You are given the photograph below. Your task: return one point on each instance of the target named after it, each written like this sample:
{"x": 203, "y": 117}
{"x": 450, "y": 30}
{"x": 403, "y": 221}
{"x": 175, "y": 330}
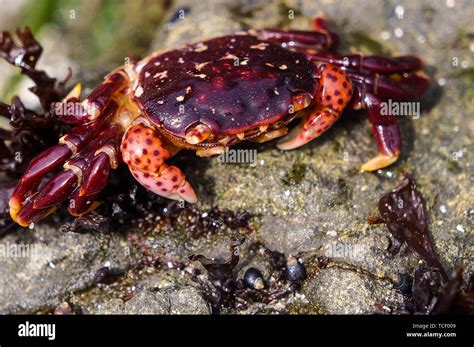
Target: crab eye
{"x": 198, "y": 134}
{"x": 301, "y": 101}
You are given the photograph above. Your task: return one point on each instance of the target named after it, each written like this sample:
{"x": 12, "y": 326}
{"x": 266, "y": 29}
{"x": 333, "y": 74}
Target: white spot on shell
{"x": 199, "y": 67}
{"x": 261, "y": 46}
{"x": 283, "y": 67}
{"x": 147, "y": 74}
{"x": 138, "y": 91}
{"x": 161, "y": 75}
{"x": 180, "y": 98}
{"x": 229, "y": 56}
{"x": 180, "y": 60}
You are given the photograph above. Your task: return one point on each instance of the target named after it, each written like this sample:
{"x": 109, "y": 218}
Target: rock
{"x": 336, "y": 291}
{"x": 150, "y": 299}
{"x": 190, "y": 20}
{"x": 52, "y": 265}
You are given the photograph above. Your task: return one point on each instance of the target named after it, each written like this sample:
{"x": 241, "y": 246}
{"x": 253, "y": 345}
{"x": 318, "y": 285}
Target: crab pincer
{"x": 76, "y": 153}
{"x": 333, "y": 94}
{"x": 145, "y": 153}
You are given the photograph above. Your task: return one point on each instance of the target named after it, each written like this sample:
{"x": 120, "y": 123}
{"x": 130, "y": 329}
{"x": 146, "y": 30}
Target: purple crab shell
{"x": 230, "y": 83}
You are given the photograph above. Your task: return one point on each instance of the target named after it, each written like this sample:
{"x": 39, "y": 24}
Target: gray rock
{"x": 160, "y": 295}
{"x": 47, "y": 265}
{"x": 336, "y": 291}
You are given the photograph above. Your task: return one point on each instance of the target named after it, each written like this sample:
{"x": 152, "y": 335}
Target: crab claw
{"x": 169, "y": 182}
{"x": 145, "y": 152}
{"x": 333, "y": 95}
{"x": 314, "y": 123}
{"x": 41, "y": 165}
{"x": 86, "y": 155}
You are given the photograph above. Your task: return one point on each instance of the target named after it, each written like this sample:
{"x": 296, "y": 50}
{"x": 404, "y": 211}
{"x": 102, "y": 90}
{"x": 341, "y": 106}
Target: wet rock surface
{"x": 38, "y": 270}
{"x": 159, "y": 296}
{"x": 310, "y": 202}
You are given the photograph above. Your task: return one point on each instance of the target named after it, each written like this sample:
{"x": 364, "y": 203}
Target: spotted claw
{"x": 145, "y": 152}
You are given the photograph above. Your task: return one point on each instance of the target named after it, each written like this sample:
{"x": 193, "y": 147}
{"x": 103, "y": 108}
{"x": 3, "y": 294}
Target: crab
{"x": 206, "y": 97}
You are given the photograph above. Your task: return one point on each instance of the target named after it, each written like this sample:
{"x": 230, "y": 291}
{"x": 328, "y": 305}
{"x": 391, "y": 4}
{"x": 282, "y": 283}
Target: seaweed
{"x": 6, "y": 223}
{"x": 221, "y": 274}
{"x": 423, "y": 288}
{"x": 107, "y": 275}
{"x": 31, "y": 132}
{"x": 430, "y": 296}
{"x": 228, "y": 290}
{"x": 87, "y": 224}
{"x": 454, "y": 297}
{"x": 403, "y": 211}
{"x": 432, "y": 290}
{"x": 127, "y": 203}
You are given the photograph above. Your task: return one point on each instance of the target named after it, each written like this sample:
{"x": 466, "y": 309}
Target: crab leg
{"x": 402, "y": 87}
{"x": 96, "y": 177}
{"x": 89, "y": 171}
{"x": 332, "y": 96}
{"x": 322, "y": 37}
{"x": 375, "y": 64}
{"x": 27, "y": 205}
{"x": 93, "y": 106}
{"x": 145, "y": 153}
{"x": 369, "y": 92}
{"x": 386, "y": 132}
